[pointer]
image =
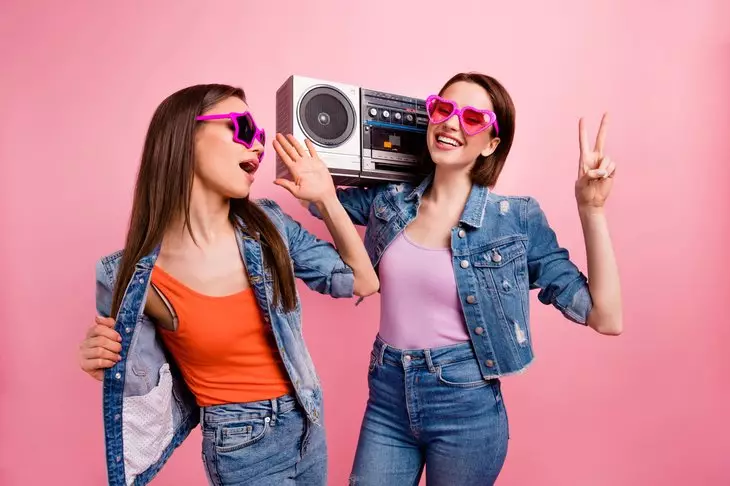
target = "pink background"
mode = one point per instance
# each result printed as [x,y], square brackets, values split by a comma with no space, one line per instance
[80,81]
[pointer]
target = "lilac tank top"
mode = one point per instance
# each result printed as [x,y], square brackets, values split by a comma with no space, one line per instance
[419,301]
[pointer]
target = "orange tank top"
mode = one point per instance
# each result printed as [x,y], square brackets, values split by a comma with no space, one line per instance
[222,346]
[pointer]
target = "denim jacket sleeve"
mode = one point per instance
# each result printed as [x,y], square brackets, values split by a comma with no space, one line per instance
[316,262]
[550,269]
[356,201]
[103,291]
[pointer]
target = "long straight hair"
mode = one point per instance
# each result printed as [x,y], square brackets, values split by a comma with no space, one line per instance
[164,187]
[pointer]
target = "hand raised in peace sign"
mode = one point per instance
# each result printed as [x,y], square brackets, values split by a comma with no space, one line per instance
[595,169]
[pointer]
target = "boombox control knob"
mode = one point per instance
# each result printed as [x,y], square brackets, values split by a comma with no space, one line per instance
[373,112]
[386,114]
[409,117]
[397,116]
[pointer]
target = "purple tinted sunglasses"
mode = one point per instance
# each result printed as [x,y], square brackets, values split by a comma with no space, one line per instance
[473,120]
[245,130]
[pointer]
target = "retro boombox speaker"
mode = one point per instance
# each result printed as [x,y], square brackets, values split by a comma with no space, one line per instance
[364,137]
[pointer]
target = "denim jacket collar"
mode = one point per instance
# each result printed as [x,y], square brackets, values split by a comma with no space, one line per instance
[147,262]
[473,214]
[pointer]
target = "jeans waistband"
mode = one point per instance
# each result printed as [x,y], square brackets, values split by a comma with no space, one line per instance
[231,412]
[427,358]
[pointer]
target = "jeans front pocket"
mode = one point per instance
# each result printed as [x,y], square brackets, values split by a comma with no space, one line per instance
[461,374]
[231,437]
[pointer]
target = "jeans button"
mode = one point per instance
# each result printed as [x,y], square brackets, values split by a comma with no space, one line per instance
[407,357]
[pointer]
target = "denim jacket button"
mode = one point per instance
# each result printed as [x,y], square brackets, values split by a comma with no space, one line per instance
[480,330]
[464,264]
[118,376]
[471,299]
[462,233]
[496,257]
[489,363]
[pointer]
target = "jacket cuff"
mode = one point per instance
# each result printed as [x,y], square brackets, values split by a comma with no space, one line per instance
[576,303]
[314,211]
[342,284]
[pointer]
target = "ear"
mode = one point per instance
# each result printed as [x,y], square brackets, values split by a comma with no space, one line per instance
[491,147]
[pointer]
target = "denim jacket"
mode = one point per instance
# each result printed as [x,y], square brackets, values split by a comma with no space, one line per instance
[148,409]
[502,248]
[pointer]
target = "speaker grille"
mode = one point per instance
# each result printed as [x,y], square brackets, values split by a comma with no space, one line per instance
[326,115]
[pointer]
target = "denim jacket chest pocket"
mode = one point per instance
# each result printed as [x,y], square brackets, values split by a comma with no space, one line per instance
[500,267]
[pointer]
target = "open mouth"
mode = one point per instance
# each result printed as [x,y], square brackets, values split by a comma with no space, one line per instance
[446,140]
[249,167]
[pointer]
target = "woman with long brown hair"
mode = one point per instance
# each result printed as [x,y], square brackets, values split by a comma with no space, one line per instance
[199,317]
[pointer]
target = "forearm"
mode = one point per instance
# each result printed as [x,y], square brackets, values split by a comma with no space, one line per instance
[603,275]
[349,245]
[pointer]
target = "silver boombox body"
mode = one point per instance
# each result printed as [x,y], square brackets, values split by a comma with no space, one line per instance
[364,137]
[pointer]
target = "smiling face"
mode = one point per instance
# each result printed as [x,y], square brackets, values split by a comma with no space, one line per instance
[484,153]
[448,142]
[221,164]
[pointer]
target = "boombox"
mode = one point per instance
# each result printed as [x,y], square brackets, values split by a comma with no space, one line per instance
[364,137]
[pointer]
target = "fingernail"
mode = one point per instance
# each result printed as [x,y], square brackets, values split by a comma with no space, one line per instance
[602,173]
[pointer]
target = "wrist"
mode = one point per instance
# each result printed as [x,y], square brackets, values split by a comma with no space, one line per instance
[591,211]
[326,200]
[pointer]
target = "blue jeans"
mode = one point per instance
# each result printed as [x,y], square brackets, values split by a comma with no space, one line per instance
[430,408]
[263,443]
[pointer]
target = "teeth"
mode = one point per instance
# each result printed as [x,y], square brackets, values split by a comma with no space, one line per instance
[448,141]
